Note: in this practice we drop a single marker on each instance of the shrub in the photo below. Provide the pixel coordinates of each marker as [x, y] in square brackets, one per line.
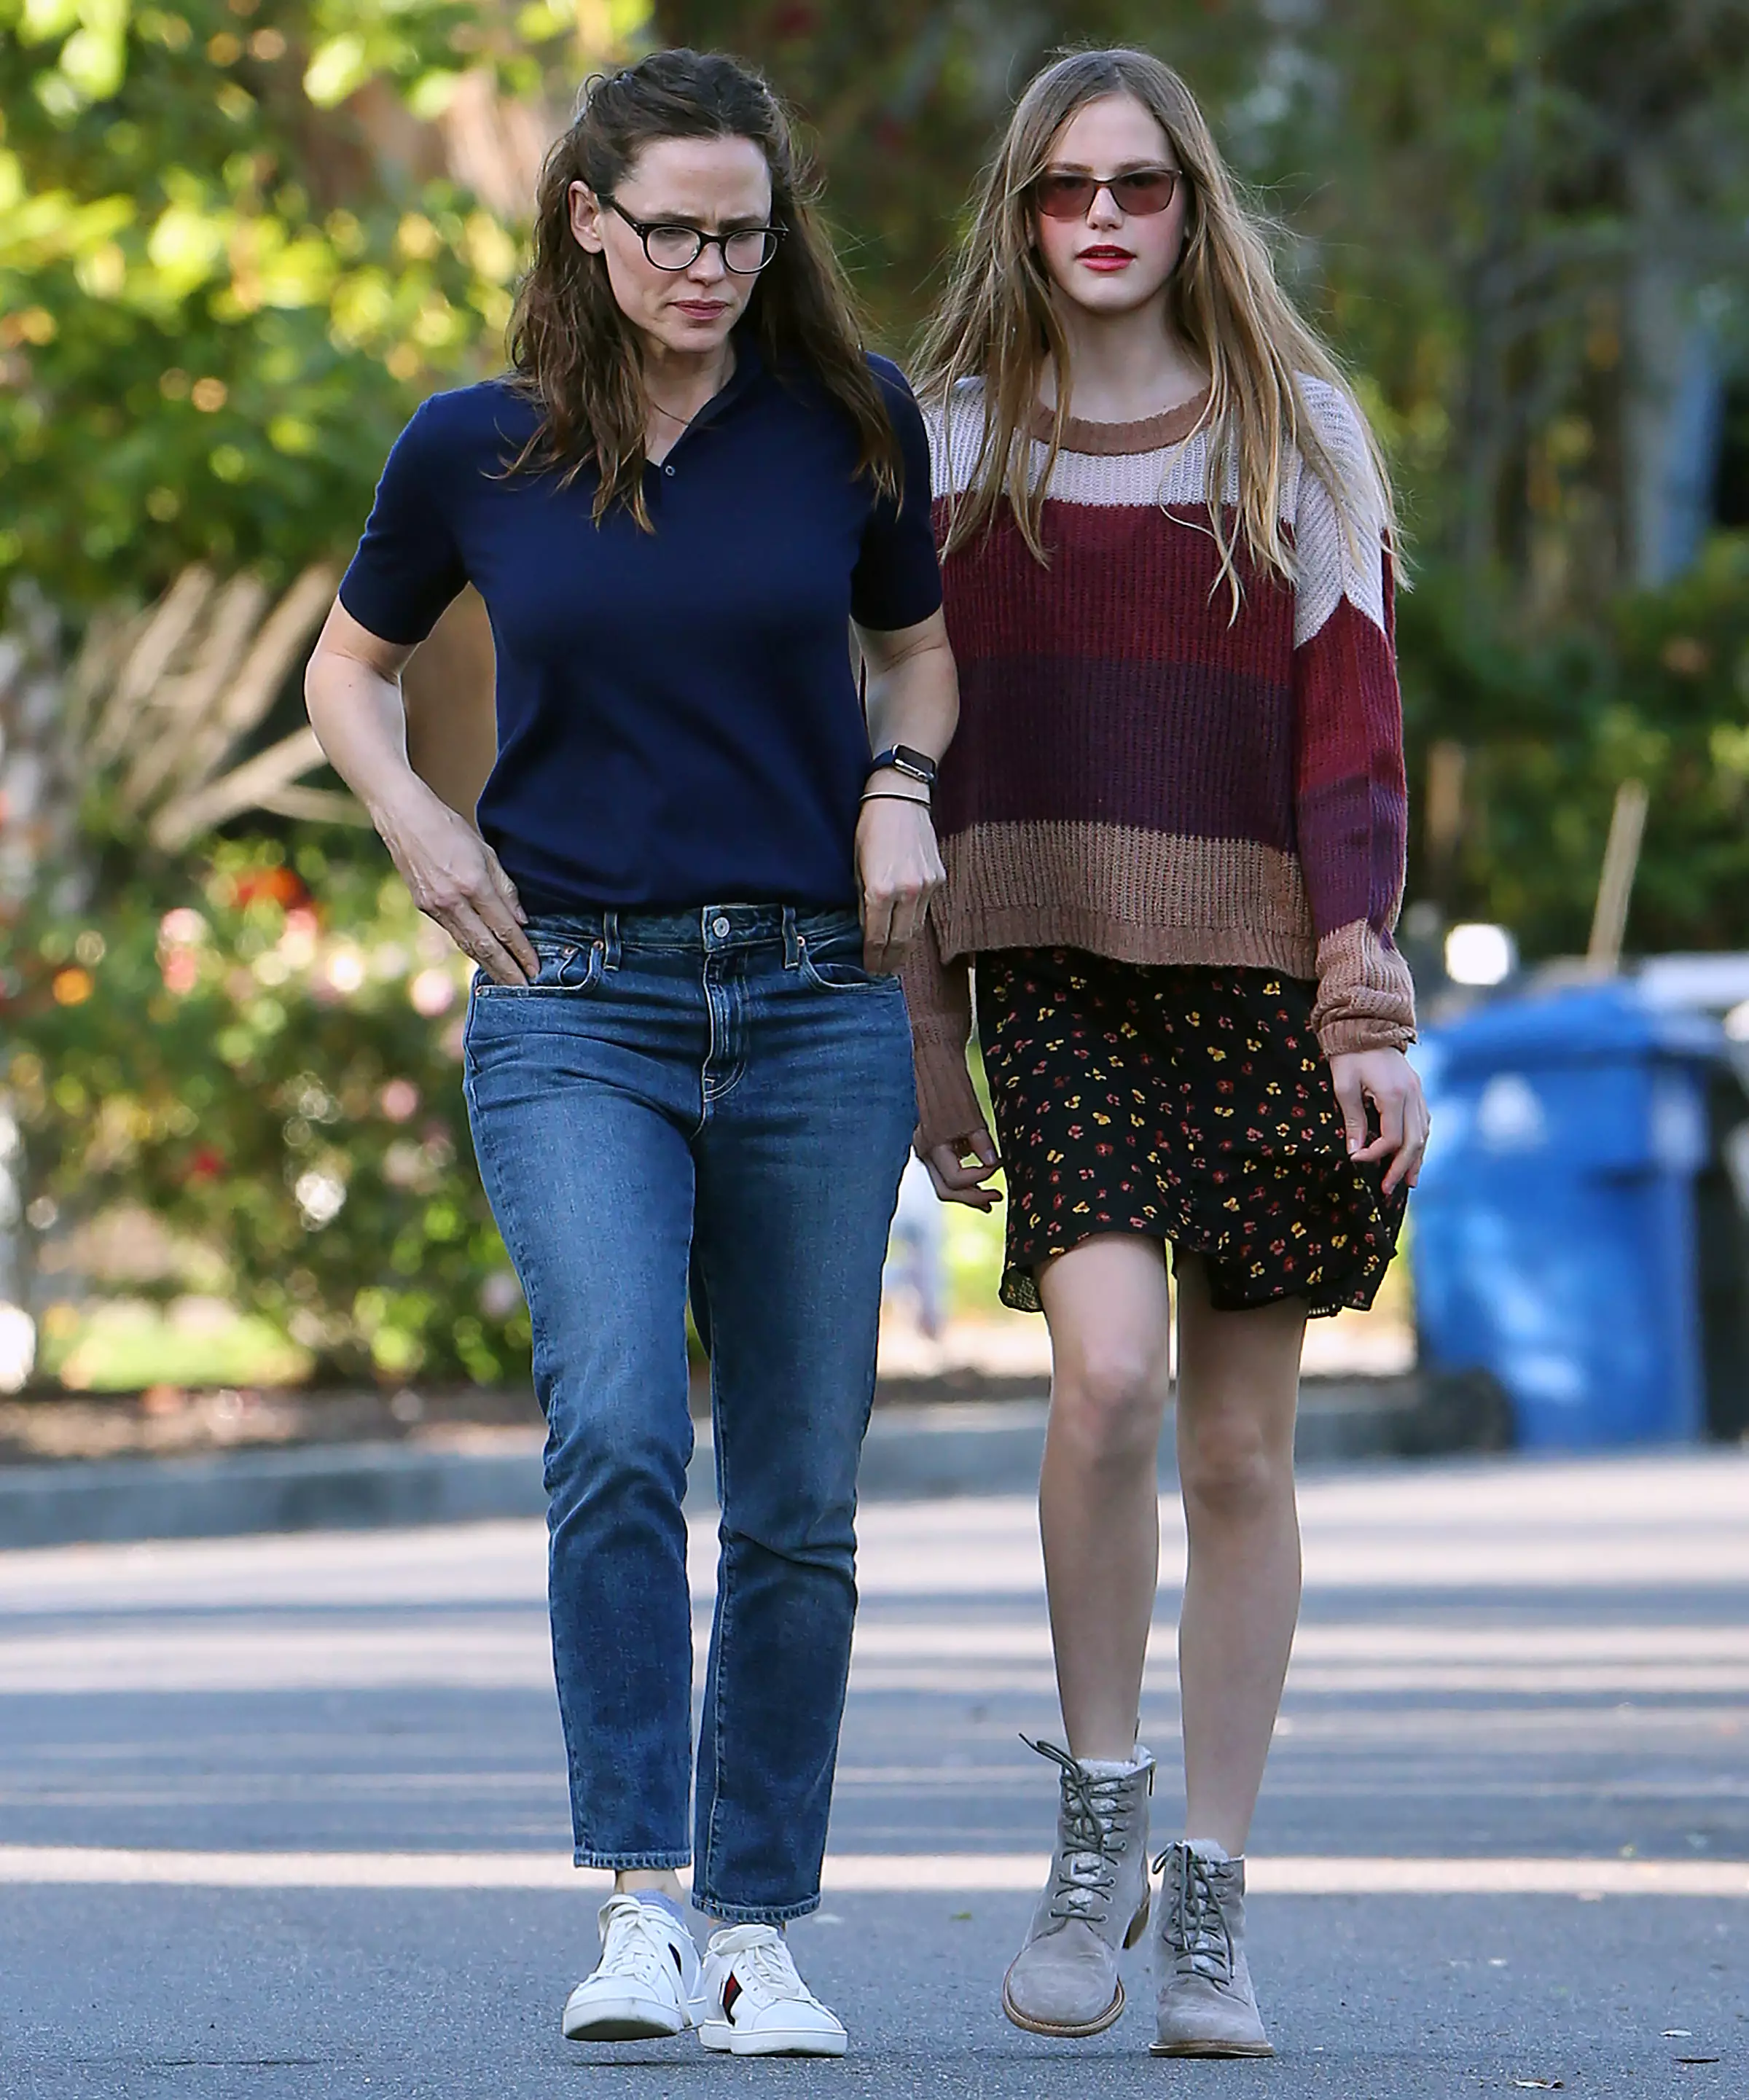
[263, 1050]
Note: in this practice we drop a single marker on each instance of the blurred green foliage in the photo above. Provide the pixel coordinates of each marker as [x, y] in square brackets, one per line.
[268, 1060]
[1654, 689]
[227, 273]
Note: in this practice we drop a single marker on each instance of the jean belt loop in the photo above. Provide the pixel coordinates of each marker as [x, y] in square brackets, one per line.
[792, 939]
[610, 940]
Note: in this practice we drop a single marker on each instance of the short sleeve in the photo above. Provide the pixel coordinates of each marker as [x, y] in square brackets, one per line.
[898, 582]
[408, 566]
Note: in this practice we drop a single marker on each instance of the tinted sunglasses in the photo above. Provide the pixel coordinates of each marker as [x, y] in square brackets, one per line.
[1138, 195]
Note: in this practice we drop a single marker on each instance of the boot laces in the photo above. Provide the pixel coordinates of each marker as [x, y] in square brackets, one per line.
[1096, 1834]
[1195, 1923]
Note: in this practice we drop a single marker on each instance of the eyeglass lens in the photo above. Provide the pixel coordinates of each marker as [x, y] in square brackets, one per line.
[677, 247]
[1139, 194]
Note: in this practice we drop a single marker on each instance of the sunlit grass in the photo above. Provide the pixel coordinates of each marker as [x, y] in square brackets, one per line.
[124, 1344]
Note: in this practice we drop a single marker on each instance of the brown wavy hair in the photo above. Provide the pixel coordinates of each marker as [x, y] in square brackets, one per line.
[572, 350]
[997, 323]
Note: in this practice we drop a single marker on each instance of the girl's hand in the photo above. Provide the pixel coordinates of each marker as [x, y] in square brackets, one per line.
[955, 1181]
[898, 870]
[455, 879]
[1388, 1080]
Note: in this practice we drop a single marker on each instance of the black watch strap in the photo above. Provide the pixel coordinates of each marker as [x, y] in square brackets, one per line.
[903, 758]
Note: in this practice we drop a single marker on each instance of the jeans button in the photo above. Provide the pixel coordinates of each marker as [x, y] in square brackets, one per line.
[719, 927]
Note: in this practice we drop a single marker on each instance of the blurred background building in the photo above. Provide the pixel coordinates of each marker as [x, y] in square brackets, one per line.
[240, 239]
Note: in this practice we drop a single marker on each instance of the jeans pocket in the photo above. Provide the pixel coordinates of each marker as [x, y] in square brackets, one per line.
[838, 966]
[566, 967]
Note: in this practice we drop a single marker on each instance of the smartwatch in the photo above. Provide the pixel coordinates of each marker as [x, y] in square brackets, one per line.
[903, 758]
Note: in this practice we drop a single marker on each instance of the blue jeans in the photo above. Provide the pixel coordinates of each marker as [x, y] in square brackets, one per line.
[720, 1100]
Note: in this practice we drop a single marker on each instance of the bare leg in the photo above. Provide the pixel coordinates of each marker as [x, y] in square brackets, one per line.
[1238, 1386]
[1108, 1306]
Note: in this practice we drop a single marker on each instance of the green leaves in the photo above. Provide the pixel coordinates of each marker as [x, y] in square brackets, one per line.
[220, 295]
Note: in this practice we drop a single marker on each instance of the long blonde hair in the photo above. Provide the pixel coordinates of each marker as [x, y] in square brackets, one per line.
[999, 323]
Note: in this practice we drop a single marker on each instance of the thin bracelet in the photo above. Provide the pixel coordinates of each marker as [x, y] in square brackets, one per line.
[893, 795]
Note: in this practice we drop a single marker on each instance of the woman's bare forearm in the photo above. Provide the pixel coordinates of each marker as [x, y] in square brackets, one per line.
[912, 691]
[352, 689]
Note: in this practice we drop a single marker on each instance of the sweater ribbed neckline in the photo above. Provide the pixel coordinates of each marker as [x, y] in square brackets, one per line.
[1148, 433]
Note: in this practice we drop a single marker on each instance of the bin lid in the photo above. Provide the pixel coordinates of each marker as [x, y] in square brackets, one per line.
[1573, 1024]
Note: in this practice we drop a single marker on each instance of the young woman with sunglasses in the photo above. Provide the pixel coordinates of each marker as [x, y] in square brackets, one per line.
[1173, 820]
[686, 1056]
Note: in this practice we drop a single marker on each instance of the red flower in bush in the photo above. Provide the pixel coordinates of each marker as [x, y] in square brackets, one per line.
[282, 885]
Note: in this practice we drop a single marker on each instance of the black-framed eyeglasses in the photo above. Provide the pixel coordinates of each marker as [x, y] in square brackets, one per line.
[1139, 194]
[671, 245]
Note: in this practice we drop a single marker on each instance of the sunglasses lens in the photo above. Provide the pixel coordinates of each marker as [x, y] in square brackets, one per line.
[1064, 196]
[1144, 194]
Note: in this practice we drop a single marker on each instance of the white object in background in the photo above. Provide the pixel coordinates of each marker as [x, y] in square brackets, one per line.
[1712, 982]
[1509, 1117]
[917, 1256]
[18, 1347]
[1476, 954]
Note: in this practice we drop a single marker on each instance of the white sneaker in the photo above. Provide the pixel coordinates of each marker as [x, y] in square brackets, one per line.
[752, 2003]
[646, 1979]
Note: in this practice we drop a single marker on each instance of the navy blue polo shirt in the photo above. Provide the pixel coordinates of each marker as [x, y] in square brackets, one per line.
[678, 719]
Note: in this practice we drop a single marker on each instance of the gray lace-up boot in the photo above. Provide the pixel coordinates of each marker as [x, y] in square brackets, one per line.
[1064, 1980]
[1206, 2006]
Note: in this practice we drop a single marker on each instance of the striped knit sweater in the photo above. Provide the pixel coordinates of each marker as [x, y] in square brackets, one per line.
[1136, 773]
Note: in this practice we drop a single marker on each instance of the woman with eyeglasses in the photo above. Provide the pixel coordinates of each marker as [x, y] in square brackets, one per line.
[1173, 821]
[687, 1059]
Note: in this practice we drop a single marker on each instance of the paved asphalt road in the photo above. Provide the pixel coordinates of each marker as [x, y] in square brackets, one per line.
[1520, 1701]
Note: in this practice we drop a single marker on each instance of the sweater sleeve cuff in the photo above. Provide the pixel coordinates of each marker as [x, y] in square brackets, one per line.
[1366, 997]
[948, 1107]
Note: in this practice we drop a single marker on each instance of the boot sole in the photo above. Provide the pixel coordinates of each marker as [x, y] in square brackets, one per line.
[1210, 2048]
[1062, 2031]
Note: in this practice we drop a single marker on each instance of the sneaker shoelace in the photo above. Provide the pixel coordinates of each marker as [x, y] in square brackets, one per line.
[1096, 1818]
[769, 1963]
[1196, 1922]
[634, 1944]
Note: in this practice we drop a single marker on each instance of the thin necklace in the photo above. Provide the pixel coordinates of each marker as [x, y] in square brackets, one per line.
[686, 422]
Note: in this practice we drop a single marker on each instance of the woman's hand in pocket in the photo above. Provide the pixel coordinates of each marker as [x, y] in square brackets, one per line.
[455, 879]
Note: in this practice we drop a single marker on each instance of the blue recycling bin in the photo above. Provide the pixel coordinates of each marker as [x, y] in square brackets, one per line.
[1555, 1227]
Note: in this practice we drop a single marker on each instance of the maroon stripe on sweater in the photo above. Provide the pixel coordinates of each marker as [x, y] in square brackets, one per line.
[1348, 717]
[1167, 747]
[1136, 584]
[1348, 767]
[1350, 853]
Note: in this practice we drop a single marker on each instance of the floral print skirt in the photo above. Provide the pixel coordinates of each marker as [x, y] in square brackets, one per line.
[1188, 1105]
